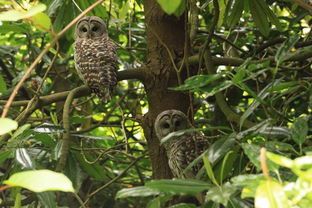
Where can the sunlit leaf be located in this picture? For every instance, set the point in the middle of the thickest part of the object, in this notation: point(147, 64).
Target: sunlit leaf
point(41, 21)
point(14, 15)
point(169, 6)
point(7, 125)
point(280, 160)
point(40, 180)
point(270, 194)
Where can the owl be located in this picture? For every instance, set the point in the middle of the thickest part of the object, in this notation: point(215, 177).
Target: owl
point(95, 56)
point(181, 150)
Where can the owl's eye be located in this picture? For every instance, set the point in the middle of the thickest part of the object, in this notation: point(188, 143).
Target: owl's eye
point(84, 29)
point(94, 29)
point(166, 125)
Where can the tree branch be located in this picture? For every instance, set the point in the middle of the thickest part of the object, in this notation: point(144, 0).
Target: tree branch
point(137, 73)
point(66, 125)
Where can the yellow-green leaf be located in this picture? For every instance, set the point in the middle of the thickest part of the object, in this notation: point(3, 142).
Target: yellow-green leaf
point(41, 180)
point(7, 125)
point(41, 21)
point(169, 6)
point(270, 194)
point(15, 15)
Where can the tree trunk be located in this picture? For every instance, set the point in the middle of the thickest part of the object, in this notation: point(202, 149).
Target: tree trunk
point(164, 33)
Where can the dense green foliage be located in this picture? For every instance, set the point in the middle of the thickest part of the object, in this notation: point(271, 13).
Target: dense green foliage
point(251, 96)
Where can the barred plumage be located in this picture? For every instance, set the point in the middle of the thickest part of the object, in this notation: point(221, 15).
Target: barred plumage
point(95, 56)
point(181, 150)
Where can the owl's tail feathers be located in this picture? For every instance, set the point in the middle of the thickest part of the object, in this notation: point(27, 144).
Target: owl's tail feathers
point(104, 94)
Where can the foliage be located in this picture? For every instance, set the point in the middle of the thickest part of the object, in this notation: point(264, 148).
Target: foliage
point(250, 83)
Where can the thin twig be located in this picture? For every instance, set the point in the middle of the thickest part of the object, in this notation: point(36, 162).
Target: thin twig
point(114, 179)
point(263, 162)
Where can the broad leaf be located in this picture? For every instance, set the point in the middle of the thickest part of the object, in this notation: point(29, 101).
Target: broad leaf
point(270, 194)
point(40, 180)
point(7, 125)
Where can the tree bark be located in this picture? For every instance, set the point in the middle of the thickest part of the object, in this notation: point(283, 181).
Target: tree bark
point(164, 32)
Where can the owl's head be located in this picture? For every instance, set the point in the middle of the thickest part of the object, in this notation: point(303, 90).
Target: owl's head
point(90, 27)
point(169, 121)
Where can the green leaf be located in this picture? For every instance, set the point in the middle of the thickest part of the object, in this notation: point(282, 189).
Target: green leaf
point(94, 170)
point(41, 21)
point(280, 160)
point(254, 105)
point(269, 13)
point(253, 153)
point(47, 199)
point(304, 162)
point(299, 129)
point(53, 7)
point(221, 194)
point(180, 10)
point(197, 81)
point(283, 51)
point(235, 12)
point(220, 148)
point(3, 87)
point(259, 17)
point(170, 6)
point(7, 125)
point(158, 201)
point(224, 169)
point(40, 180)
point(140, 191)
point(209, 170)
point(21, 130)
point(4, 155)
point(176, 134)
point(270, 194)
point(179, 186)
point(249, 182)
point(15, 15)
